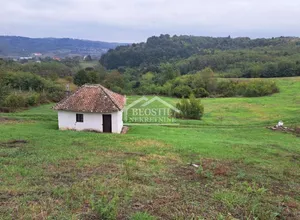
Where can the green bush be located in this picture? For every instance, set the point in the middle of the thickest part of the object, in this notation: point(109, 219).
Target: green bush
point(35, 89)
point(14, 101)
point(256, 88)
point(182, 91)
point(69, 79)
point(24, 81)
point(29, 82)
point(43, 99)
point(55, 93)
point(227, 88)
point(200, 92)
point(249, 88)
point(189, 108)
point(4, 92)
point(32, 99)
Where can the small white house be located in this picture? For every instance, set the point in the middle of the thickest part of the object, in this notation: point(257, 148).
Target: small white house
point(92, 107)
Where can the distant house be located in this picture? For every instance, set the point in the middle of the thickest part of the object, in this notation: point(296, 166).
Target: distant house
point(37, 54)
point(25, 58)
point(92, 107)
point(56, 58)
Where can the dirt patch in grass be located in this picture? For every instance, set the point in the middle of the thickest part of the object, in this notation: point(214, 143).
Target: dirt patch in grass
point(67, 172)
point(6, 120)
point(135, 154)
point(119, 156)
point(169, 159)
point(149, 143)
point(217, 167)
point(186, 172)
point(205, 168)
point(13, 143)
point(103, 169)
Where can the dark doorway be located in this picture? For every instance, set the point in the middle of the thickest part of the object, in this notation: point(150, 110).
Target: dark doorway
point(107, 123)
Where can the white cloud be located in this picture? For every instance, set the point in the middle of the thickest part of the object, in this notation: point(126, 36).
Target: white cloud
point(133, 17)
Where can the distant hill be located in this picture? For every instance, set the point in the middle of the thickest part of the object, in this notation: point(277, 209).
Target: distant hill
point(15, 46)
point(165, 48)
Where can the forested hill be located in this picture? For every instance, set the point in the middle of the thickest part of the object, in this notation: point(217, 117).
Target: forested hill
point(165, 48)
point(13, 46)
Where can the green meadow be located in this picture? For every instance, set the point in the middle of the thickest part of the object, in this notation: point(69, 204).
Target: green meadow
point(226, 166)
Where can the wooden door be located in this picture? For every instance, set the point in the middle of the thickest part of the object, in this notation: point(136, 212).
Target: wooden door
point(107, 123)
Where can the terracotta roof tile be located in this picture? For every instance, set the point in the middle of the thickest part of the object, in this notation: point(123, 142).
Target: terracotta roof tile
point(92, 98)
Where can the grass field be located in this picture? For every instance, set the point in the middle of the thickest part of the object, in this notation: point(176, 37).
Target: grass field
point(245, 170)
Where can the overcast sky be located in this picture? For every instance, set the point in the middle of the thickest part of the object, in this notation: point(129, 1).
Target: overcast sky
point(136, 20)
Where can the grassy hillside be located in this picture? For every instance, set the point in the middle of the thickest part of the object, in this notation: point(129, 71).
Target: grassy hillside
point(245, 171)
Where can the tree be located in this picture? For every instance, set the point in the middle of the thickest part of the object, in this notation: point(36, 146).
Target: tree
point(146, 84)
point(93, 76)
point(208, 79)
point(114, 81)
point(81, 78)
point(167, 72)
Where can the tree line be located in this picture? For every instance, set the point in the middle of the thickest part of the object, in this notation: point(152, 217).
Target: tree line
point(165, 48)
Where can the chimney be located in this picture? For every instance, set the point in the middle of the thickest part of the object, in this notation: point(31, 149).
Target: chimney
point(67, 90)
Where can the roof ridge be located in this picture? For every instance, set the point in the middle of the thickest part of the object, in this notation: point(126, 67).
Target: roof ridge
point(103, 89)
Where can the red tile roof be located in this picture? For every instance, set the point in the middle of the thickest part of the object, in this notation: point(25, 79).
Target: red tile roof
point(92, 98)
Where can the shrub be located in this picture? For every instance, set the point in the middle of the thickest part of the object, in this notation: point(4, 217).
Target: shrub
point(55, 96)
point(43, 99)
point(55, 93)
point(53, 76)
point(14, 101)
point(189, 108)
point(256, 88)
point(69, 79)
point(227, 88)
point(29, 82)
point(32, 99)
point(200, 93)
point(182, 91)
point(4, 91)
point(249, 88)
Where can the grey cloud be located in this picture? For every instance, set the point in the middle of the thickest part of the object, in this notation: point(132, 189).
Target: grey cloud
point(134, 20)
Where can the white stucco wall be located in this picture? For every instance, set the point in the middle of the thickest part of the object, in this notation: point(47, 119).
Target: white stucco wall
point(91, 121)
